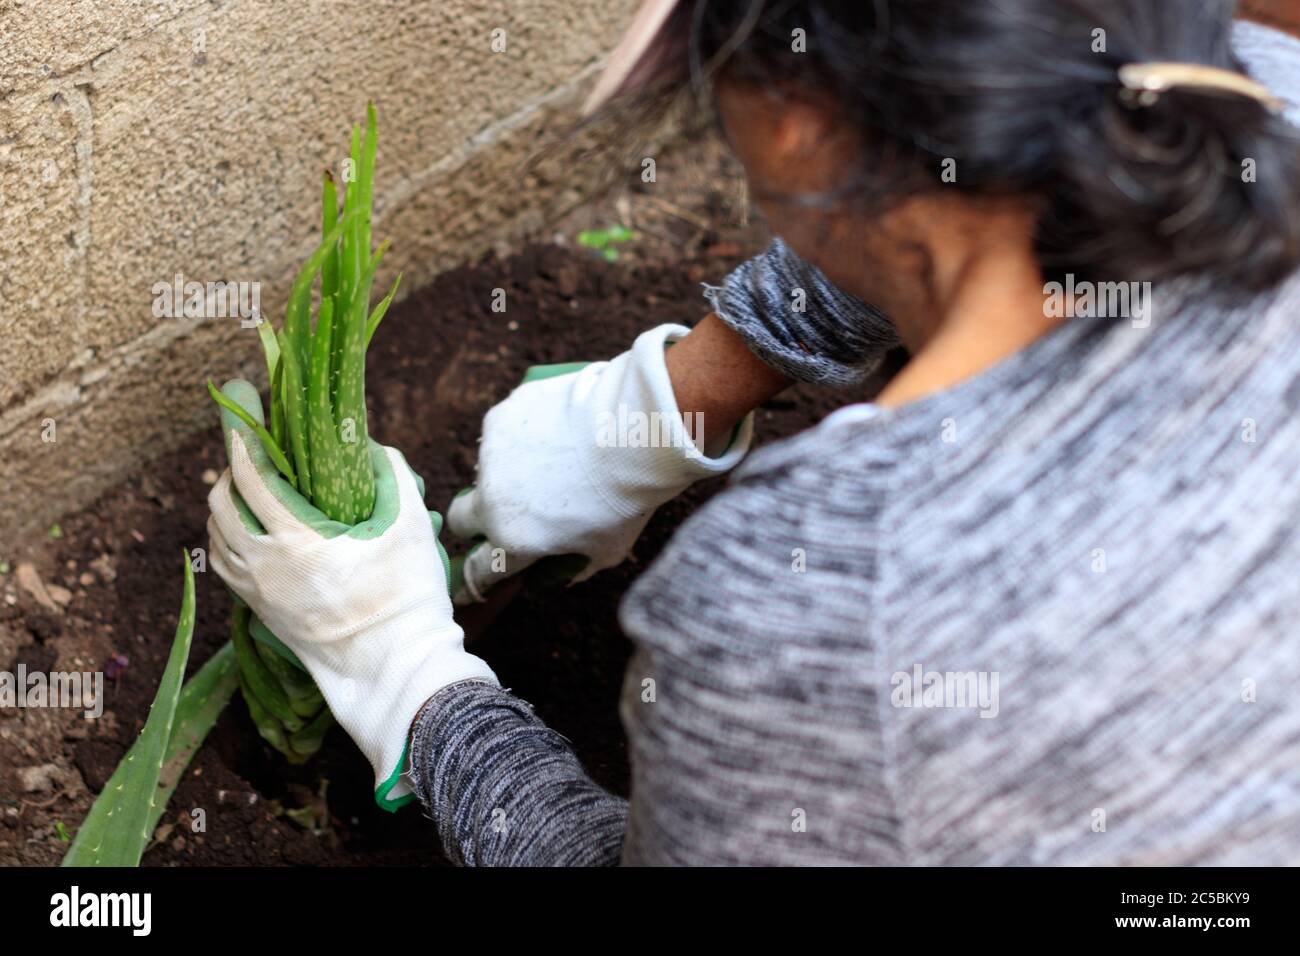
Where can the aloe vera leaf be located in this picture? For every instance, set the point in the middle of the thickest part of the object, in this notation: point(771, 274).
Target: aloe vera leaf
point(262, 636)
point(295, 415)
point(268, 728)
point(330, 284)
point(274, 371)
point(356, 236)
point(328, 488)
point(307, 741)
point(336, 354)
point(336, 345)
point(300, 690)
point(356, 473)
point(329, 214)
point(354, 315)
point(277, 407)
point(352, 253)
point(270, 348)
point(351, 258)
point(381, 310)
point(258, 677)
point(297, 327)
point(369, 148)
point(372, 266)
point(358, 311)
point(202, 700)
point(117, 829)
point(268, 442)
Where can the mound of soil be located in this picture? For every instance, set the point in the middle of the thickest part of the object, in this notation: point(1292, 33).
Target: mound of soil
point(440, 361)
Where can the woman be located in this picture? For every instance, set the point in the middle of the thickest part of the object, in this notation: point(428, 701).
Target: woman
point(1035, 604)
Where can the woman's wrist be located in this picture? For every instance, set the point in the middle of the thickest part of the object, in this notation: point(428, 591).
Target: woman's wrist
point(717, 381)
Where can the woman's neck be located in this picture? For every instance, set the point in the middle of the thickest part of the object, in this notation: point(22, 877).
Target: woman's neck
point(990, 307)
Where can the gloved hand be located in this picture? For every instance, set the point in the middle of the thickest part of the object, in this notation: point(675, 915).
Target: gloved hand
point(364, 608)
point(576, 462)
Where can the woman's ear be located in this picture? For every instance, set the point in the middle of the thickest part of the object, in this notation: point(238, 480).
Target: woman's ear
point(789, 142)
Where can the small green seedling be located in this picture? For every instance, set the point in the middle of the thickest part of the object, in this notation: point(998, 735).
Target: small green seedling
point(61, 832)
point(605, 241)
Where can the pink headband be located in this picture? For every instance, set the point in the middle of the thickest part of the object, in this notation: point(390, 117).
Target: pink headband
point(647, 23)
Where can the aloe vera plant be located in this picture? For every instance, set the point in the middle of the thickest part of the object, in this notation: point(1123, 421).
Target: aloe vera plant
point(317, 435)
point(123, 817)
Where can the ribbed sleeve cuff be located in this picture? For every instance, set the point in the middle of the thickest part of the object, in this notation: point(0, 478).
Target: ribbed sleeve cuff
point(504, 789)
point(835, 339)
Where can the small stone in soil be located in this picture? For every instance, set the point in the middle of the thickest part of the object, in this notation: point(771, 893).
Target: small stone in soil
point(103, 566)
point(30, 581)
point(39, 778)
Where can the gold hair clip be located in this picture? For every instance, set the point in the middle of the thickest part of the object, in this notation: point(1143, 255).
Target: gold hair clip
point(1144, 82)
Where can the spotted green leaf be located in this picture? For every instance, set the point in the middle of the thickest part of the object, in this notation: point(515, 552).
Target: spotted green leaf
point(119, 824)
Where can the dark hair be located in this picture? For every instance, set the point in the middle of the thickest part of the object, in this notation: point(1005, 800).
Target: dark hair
point(1024, 95)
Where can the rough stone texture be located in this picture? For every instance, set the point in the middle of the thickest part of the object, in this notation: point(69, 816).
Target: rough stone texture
point(143, 139)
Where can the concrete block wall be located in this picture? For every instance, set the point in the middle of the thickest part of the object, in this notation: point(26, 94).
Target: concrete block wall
point(140, 139)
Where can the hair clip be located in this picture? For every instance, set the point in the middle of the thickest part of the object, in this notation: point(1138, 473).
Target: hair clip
point(1144, 82)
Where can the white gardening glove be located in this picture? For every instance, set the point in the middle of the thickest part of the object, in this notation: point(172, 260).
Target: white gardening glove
point(365, 608)
point(576, 462)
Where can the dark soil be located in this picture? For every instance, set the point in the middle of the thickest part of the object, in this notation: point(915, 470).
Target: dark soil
point(440, 361)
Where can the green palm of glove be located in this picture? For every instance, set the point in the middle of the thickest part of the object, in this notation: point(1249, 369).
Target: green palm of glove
point(286, 705)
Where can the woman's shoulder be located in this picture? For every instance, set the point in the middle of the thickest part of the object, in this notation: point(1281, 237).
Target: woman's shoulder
point(780, 562)
point(851, 441)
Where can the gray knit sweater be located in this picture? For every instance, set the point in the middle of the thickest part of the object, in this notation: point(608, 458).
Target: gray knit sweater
point(1047, 616)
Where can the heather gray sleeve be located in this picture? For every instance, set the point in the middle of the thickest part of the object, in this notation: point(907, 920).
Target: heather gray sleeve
point(505, 790)
point(798, 322)
point(1273, 58)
